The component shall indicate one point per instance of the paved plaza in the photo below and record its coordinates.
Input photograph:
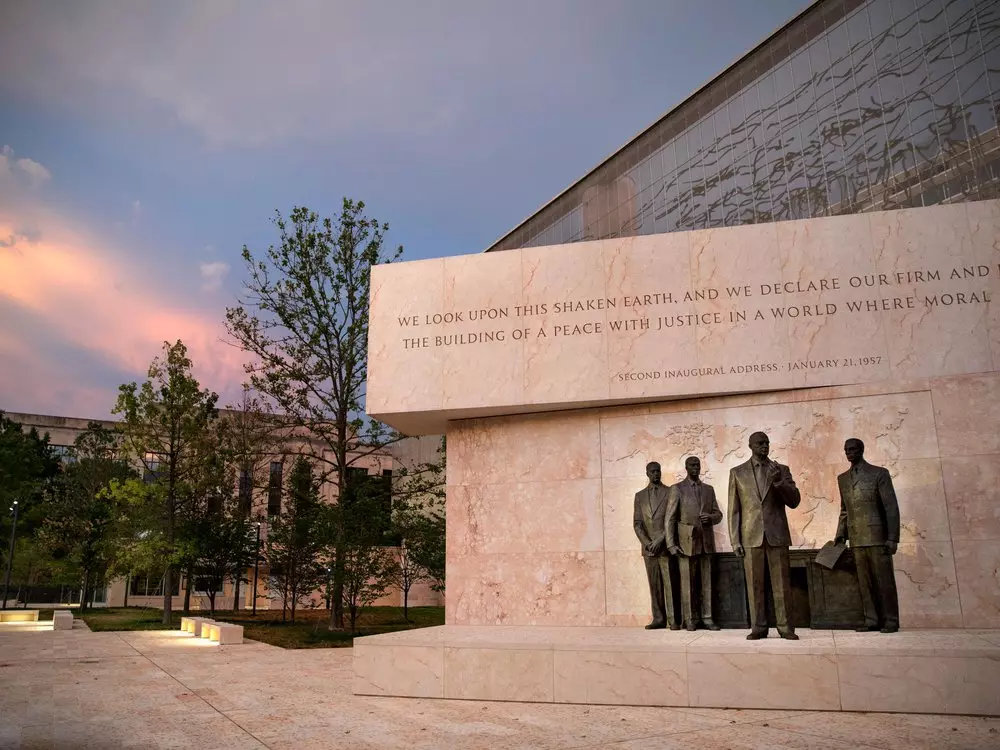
(76, 689)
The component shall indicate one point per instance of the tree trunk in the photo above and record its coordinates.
(128, 585)
(168, 590)
(337, 611)
(211, 602)
(85, 594)
(188, 585)
(406, 603)
(337, 597)
(236, 591)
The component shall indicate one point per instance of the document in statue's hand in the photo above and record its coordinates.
(830, 554)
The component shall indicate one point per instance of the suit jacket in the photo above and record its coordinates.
(754, 517)
(684, 529)
(648, 516)
(869, 514)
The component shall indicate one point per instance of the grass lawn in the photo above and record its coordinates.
(309, 630)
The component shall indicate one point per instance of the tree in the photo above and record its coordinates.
(83, 522)
(27, 467)
(369, 572)
(294, 539)
(418, 517)
(305, 322)
(248, 436)
(224, 546)
(163, 421)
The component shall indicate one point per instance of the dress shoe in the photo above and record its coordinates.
(711, 625)
(756, 635)
(866, 629)
(674, 626)
(890, 629)
(656, 626)
(788, 635)
(691, 627)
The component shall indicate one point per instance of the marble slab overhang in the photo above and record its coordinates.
(830, 301)
(926, 671)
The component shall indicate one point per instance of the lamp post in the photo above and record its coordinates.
(256, 563)
(10, 553)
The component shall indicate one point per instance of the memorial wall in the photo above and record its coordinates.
(558, 372)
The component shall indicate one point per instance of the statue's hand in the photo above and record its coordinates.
(738, 549)
(675, 550)
(774, 474)
(704, 519)
(890, 548)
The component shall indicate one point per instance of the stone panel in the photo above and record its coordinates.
(498, 674)
(966, 413)
(978, 569)
(971, 483)
(944, 685)
(633, 678)
(393, 670)
(526, 589)
(737, 680)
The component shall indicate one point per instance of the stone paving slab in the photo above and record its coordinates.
(156, 689)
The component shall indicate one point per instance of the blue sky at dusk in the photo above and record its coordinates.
(143, 144)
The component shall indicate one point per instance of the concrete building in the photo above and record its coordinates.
(852, 106)
(265, 503)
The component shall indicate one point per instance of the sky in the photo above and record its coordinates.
(143, 144)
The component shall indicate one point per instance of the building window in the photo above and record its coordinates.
(274, 489)
(152, 464)
(63, 453)
(151, 584)
(202, 585)
(245, 491)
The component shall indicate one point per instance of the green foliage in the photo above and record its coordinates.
(369, 572)
(27, 465)
(165, 422)
(305, 323)
(84, 524)
(418, 510)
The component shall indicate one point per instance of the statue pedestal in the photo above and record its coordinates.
(930, 671)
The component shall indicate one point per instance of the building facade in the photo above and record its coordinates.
(852, 106)
(264, 500)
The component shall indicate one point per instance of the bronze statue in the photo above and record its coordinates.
(869, 519)
(648, 521)
(759, 491)
(691, 514)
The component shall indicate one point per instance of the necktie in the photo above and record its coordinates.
(761, 476)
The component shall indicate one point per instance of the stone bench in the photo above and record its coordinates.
(18, 615)
(223, 633)
(195, 625)
(62, 620)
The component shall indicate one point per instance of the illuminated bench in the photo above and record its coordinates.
(223, 633)
(62, 620)
(195, 625)
(18, 615)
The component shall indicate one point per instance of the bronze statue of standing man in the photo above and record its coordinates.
(691, 514)
(759, 492)
(869, 518)
(648, 519)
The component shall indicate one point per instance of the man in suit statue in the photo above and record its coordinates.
(648, 521)
(759, 491)
(869, 518)
(691, 514)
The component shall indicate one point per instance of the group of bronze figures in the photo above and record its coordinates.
(676, 522)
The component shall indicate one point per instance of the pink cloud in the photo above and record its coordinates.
(66, 279)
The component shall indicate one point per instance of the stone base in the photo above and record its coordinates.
(928, 671)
